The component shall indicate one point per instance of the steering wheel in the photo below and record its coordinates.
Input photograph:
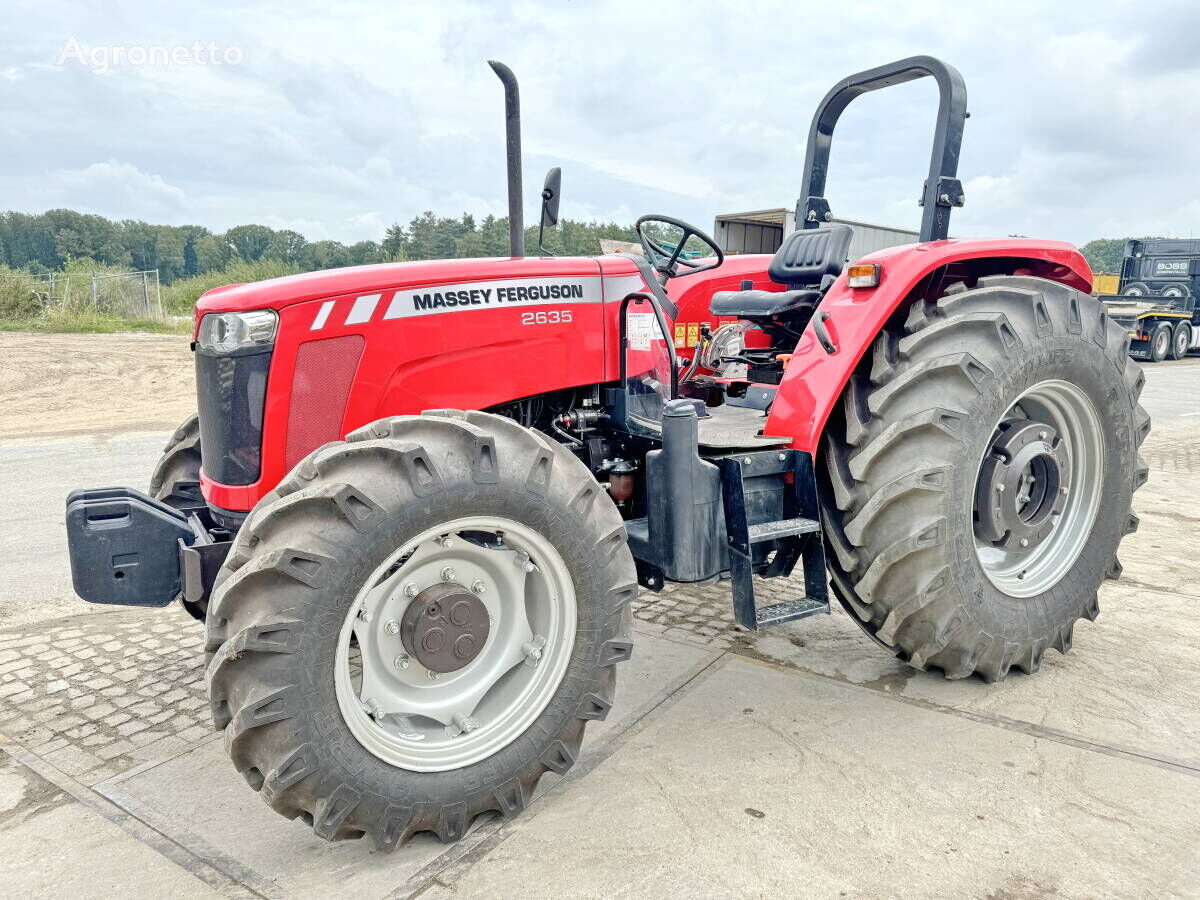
(668, 260)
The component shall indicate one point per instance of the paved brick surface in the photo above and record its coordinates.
(96, 695)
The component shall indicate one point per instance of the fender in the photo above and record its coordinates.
(854, 317)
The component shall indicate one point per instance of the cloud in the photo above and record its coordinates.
(344, 117)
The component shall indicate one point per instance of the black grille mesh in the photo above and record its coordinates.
(232, 391)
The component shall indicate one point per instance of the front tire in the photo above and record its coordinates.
(176, 477)
(929, 573)
(357, 528)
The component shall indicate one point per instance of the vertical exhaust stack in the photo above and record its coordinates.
(512, 126)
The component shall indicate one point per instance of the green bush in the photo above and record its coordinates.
(179, 298)
(18, 300)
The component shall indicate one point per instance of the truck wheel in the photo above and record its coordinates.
(1180, 339)
(417, 624)
(1136, 289)
(1160, 342)
(176, 478)
(980, 479)
(1175, 290)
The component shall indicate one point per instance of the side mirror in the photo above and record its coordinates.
(550, 193)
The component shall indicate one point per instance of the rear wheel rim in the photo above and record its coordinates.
(1073, 419)
(1181, 342)
(1162, 343)
(415, 718)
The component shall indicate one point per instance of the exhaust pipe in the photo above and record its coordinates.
(512, 126)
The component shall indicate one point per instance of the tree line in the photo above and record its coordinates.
(45, 242)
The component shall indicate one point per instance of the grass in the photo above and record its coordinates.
(89, 322)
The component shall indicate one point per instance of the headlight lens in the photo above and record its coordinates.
(729, 340)
(233, 331)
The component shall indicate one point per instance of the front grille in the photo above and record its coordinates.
(232, 391)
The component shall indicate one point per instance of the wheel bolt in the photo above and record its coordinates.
(1063, 491)
(410, 590)
(402, 661)
(365, 614)
(1042, 435)
(445, 542)
(434, 676)
(1024, 542)
(529, 567)
(392, 627)
(478, 587)
(999, 489)
(448, 574)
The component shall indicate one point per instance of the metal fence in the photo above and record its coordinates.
(124, 295)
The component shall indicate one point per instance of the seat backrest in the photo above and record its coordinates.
(807, 256)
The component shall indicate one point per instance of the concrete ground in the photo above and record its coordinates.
(802, 761)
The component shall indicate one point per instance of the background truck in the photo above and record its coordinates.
(1157, 298)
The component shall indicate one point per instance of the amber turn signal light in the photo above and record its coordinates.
(863, 275)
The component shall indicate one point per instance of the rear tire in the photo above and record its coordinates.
(904, 463)
(1160, 342)
(294, 584)
(1180, 339)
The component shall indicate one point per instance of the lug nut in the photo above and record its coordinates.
(478, 587)
(365, 614)
(445, 542)
(999, 489)
(1024, 542)
(410, 590)
(392, 627)
(448, 574)
(1063, 491)
(402, 661)
(434, 676)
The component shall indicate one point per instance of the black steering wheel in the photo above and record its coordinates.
(668, 260)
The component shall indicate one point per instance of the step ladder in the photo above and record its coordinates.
(770, 501)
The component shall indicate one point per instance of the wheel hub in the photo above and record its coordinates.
(1022, 485)
(445, 627)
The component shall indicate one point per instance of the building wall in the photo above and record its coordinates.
(747, 236)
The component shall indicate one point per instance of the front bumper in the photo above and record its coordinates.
(129, 549)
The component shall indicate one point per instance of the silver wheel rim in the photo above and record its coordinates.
(1163, 342)
(1065, 408)
(415, 719)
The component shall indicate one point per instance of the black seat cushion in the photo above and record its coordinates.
(805, 257)
(761, 304)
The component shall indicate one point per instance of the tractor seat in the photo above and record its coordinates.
(762, 304)
(807, 261)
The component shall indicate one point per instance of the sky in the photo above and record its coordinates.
(336, 119)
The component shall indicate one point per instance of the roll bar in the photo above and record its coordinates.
(943, 191)
(512, 127)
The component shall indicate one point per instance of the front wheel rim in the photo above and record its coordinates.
(417, 719)
(1072, 417)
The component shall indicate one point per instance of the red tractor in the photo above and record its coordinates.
(419, 499)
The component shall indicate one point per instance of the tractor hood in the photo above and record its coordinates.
(278, 293)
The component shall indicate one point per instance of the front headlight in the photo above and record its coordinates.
(233, 331)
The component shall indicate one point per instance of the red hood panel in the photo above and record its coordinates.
(277, 293)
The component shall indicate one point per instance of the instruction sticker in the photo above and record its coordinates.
(641, 329)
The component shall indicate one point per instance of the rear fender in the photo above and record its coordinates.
(853, 317)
